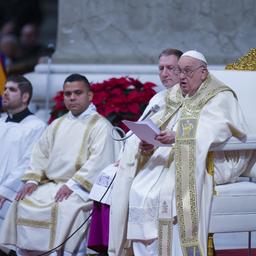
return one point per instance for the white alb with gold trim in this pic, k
(72, 150)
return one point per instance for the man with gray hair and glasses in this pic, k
(170, 188)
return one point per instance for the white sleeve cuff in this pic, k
(32, 181)
(77, 189)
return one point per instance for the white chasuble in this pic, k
(211, 116)
(72, 149)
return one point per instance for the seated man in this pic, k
(167, 64)
(98, 237)
(18, 132)
(63, 167)
(161, 198)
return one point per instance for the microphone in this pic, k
(155, 108)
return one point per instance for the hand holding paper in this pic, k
(166, 137)
(147, 131)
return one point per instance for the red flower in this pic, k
(100, 97)
(134, 96)
(149, 85)
(134, 108)
(116, 99)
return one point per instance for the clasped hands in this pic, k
(63, 193)
(165, 137)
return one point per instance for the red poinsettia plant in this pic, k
(116, 99)
(58, 108)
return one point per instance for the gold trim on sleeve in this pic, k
(32, 176)
(83, 182)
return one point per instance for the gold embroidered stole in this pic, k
(185, 165)
(165, 220)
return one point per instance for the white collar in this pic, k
(89, 111)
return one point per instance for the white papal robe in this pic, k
(17, 140)
(71, 151)
(150, 191)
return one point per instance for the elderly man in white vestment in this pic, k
(63, 167)
(19, 130)
(167, 191)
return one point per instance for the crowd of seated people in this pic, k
(20, 24)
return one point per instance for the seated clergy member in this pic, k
(63, 167)
(167, 64)
(99, 231)
(162, 196)
(18, 132)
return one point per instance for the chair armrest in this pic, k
(249, 143)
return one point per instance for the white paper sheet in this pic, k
(146, 130)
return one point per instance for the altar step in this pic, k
(236, 252)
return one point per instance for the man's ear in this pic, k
(25, 98)
(90, 94)
(204, 74)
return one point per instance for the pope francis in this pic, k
(161, 197)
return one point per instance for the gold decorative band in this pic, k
(33, 223)
(165, 237)
(84, 183)
(32, 176)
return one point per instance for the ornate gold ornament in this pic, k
(247, 62)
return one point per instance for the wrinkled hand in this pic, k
(145, 147)
(166, 137)
(27, 189)
(63, 193)
(2, 201)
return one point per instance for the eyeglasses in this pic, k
(187, 71)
